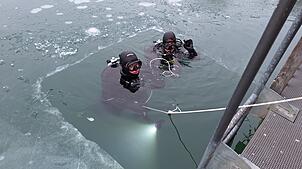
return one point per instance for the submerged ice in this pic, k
(93, 31)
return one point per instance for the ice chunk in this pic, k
(173, 1)
(141, 13)
(90, 118)
(68, 22)
(46, 6)
(79, 1)
(146, 4)
(93, 31)
(36, 10)
(2, 62)
(82, 7)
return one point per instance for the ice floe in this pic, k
(146, 4)
(68, 22)
(79, 1)
(47, 6)
(82, 7)
(36, 10)
(90, 118)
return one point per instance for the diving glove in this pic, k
(188, 44)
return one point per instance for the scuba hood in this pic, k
(169, 36)
(130, 64)
(169, 42)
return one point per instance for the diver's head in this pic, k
(130, 63)
(169, 36)
(169, 42)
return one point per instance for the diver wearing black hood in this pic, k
(171, 48)
(130, 69)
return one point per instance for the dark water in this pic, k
(126, 134)
(51, 59)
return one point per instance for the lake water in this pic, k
(52, 56)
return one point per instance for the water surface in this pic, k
(52, 55)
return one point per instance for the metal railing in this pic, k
(268, 37)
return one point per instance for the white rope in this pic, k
(222, 108)
(149, 97)
(164, 72)
(154, 109)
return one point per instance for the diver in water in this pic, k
(130, 69)
(171, 47)
(127, 84)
